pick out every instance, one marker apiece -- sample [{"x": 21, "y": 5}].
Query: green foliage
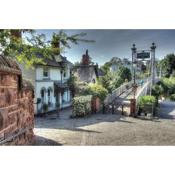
[
  {"x": 28, "y": 51},
  {"x": 122, "y": 75},
  {"x": 167, "y": 64},
  {"x": 33, "y": 48},
  {"x": 172, "y": 97},
  {"x": 96, "y": 90},
  {"x": 65, "y": 40},
  {"x": 157, "y": 90},
  {"x": 106, "y": 67},
  {"x": 81, "y": 106},
  {"x": 168, "y": 85},
  {"x": 105, "y": 81},
  {"x": 146, "y": 100}
]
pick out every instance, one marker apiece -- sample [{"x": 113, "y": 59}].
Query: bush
[
  {"x": 147, "y": 104},
  {"x": 81, "y": 106},
  {"x": 96, "y": 90},
  {"x": 147, "y": 100},
  {"x": 172, "y": 97},
  {"x": 168, "y": 85}
]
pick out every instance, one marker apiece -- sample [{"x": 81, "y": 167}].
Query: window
[{"x": 46, "y": 73}]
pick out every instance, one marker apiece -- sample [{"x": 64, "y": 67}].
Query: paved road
[
  {"x": 103, "y": 130},
  {"x": 167, "y": 110}
]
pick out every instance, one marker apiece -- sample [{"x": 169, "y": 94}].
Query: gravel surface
[{"x": 105, "y": 129}]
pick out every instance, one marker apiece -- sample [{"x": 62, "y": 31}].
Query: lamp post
[
  {"x": 153, "y": 47},
  {"x": 134, "y": 86}
]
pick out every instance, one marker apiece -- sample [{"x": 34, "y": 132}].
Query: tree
[
  {"x": 29, "y": 51},
  {"x": 34, "y": 48},
  {"x": 122, "y": 75},
  {"x": 106, "y": 67},
  {"x": 106, "y": 81},
  {"x": 167, "y": 64},
  {"x": 61, "y": 39}
]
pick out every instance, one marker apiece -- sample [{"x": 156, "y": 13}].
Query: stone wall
[{"x": 16, "y": 110}]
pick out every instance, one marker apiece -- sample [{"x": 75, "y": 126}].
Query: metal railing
[
  {"x": 117, "y": 92},
  {"x": 144, "y": 90}
]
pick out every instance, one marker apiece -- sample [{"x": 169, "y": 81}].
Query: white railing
[
  {"x": 144, "y": 90},
  {"x": 117, "y": 92}
]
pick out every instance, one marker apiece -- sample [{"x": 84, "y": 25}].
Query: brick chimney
[{"x": 85, "y": 59}]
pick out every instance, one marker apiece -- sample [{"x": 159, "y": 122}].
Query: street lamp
[{"x": 134, "y": 85}]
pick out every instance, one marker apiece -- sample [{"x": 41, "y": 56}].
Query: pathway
[{"x": 103, "y": 129}]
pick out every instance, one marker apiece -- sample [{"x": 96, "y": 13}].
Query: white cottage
[{"x": 51, "y": 83}]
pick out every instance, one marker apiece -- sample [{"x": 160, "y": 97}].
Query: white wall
[
  {"x": 40, "y": 85},
  {"x": 39, "y": 73},
  {"x": 55, "y": 74}
]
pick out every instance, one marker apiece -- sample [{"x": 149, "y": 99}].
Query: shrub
[
  {"x": 168, "y": 85},
  {"x": 147, "y": 100},
  {"x": 81, "y": 105},
  {"x": 96, "y": 90},
  {"x": 172, "y": 97}
]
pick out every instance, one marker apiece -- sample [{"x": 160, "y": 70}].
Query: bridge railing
[
  {"x": 117, "y": 92},
  {"x": 144, "y": 90}
]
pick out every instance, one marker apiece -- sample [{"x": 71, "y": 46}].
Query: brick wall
[{"x": 16, "y": 110}]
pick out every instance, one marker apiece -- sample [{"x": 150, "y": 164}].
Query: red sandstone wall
[
  {"x": 16, "y": 112},
  {"x": 95, "y": 104}
]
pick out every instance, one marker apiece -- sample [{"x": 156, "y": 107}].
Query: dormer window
[{"x": 45, "y": 73}]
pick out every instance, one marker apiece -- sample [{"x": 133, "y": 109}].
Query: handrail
[{"x": 117, "y": 92}]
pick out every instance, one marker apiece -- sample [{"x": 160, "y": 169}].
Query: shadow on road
[
  {"x": 42, "y": 141},
  {"x": 73, "y": 124}
]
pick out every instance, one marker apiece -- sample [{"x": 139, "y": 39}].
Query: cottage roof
[
  {"x": 9, "y": 65},
  {"x": 56, "y": 61}
]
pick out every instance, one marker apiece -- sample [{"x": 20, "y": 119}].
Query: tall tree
[
  {"x": 29, "y": 50},
  {"x": 167, "y": 64},
  {"x": 63, "y": 40}
]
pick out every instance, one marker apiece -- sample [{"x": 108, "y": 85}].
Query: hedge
[
  {"x": 147, "y": 100},
  {"x": 147, "y": 104},
  {"x": 81, "y": 106}
]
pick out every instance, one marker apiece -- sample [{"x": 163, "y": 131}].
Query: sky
[{"x": 117, "y": 43}]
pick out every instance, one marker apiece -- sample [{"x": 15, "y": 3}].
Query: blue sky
[{"x": 118, "y": 43}]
